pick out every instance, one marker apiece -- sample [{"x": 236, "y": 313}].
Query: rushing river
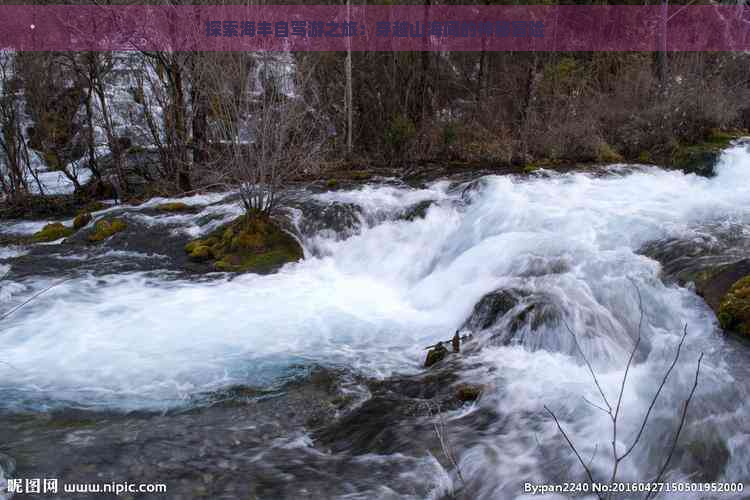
[{"x": 370, "y": 302}]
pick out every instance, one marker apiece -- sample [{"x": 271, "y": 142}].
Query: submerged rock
[
  {"x": 491, "y": 308},
  {"x": 341, "y": 219},
  {"x": 508, "y": 313},
  {"x": 249, "y": 244},
  {"x": 417, "y": 211},
  {"x": 466, "y": 392},
  {"x": 51, "y": 232},
  {"x": 7, "y": 470},
  {"x": 707, "y": 455}
]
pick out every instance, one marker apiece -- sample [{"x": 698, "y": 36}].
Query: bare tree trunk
[
  {"x": 662, "y": 61},
  {"x": 348, "y": 97}
]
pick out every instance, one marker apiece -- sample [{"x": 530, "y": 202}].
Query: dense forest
[{"x": 143, "y": 123}]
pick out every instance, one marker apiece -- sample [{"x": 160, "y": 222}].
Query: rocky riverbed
[{"x": 145, "y": 364}]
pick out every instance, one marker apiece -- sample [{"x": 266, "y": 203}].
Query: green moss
[
  {"x": 175, "y": 206},
  {"x": 435, "y": 355},
  {"x": 332, "y": 183},
  {"x": 249, "y": 244},
  {"x": 201, "y": 253},
  {"x": 734, "y": 310},
  {"x": 644, "y": 157},
  {"x": 701, "y": 157},
  {"x": 106, "y": 228},
  {"x": 360, "y": 175},
  {"x": 51, "y": 232},
  {"x": 722, "y": 138},
  {"x": 465, "y": 392},
  {"x": 81, "y": 220},
  {"x": 606, "y": 154},
  {"x": 530, "y": 168}
]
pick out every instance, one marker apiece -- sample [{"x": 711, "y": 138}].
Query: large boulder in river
[
  {"x": 734, "y": 309},
  {"x": 334, "y": 219},
  {"x": 506, "y": 314},
  {"x": 713, "y": 283},
  {"x": 52, "y": 232},
  {"x": 252, "y": 243},
  {"x": 726, "y": 289},
  {"x": 491, "y": 308}
]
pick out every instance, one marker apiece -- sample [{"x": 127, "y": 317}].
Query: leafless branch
[
  {"x": 680, "y": 426},
  {"x": 656, "y": 395},
  {"x": 571, "y": 445},
  {"x": 588, "y": 365},
  {"x": 441, "y": 430},
  {"x": 32, "y": 298},
  {"x": 616, "y": 415}
]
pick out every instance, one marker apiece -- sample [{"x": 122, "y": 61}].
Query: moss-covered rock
[
  {"x": 701, "y": 158},
  {"x": 106, "y": 228},
  {"x": 606, "y": 154},
  {"x": 360, "y": 175},
  {"x": 417, "y": 211},
  {"x": 175, "y": 206},
  {"x": 81, "y": 220},
  {"x": 249, "y": 244},
  {"x": 466, "y": 392},
  {"x": 435, "y": 355},
  {"x": 734, "y": 311},
  {"x": 51, "y": 232},
  {"x": 95, "y": 206}
]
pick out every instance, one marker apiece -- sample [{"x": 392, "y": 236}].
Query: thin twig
[
  {"x": 588, "y": 365},
  {"x": 27, "y": 301},
  {"x": 637, "y": 344},
  {"x": 441, "y": 431},
  {"x": 596, "y": 405},
  {"x": 656, "y": 396},
  {"x": 572, "y": 446},
  {"x": 679, "y": 428}
]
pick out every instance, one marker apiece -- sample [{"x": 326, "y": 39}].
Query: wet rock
[
  {"x": 394, "y": 419},
  {"x": 249, "y": 244},
  {"x": 507, "y": 313},
  {"x": 103, "y": 229},
  {"x": 81, "y": 220},
  {"x": 435, "y": 355},
  {"x": 491, "y": 308},
  {"x": 466, "y": 392},
  {"x": 734, "y": 309},
  {"x": 713, "y": 283},
  {"x": 702, "y": 158},
  {"x": 7, "y": 470},
  {"x": 706, "y": 457},
  {"x": 51, "y": 232},
  {"x": 250, "y": 447},
  {"x": 341, "y": 219},
  {"x": 175, "y": 206},
  {"x": 418, "y": 211}
]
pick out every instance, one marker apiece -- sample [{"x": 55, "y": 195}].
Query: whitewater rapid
[{"x": 372, "y": 301}]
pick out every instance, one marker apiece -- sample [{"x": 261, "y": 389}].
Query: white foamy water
[{"x": 374, "y": 300}]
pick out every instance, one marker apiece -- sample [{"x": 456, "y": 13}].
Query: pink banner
[{"x": 374, "y": 27}]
